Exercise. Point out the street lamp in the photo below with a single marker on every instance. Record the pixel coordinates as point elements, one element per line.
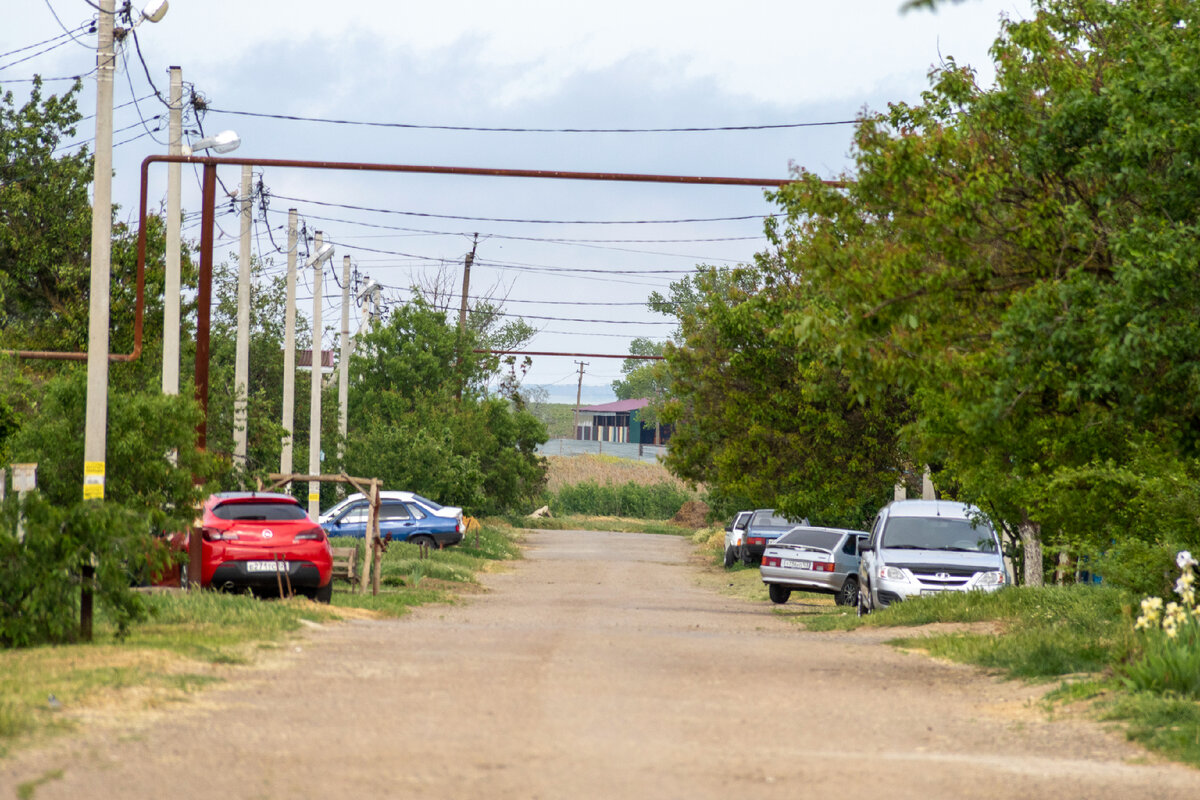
<point>223,142</point>
<point>323,253</point>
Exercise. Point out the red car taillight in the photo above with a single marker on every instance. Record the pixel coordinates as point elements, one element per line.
<point>314,535</point>
<point>770,561</point>
<point>821,566</point>
<point>215,535</point>
<point>757,540</point>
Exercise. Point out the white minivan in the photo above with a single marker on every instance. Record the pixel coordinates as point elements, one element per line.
<point>923,547</point>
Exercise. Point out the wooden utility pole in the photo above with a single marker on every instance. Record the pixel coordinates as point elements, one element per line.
<point>578,396</point>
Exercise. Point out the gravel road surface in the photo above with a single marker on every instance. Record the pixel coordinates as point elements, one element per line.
<point>600,667</point>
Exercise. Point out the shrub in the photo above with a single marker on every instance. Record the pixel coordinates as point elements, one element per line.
<point>1145,568</point>
<point>1170,661</point>
<point>40,575</point>
<point>656,501</point>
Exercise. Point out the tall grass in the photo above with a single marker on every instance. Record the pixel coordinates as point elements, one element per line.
<point>570,470</point>
<point>655,501</point>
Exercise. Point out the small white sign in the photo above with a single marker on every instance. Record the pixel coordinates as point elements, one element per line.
<point>24,477</point>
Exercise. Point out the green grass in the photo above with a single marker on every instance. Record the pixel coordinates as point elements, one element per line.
<point>1080,635</point>
<point>1168,725</point>
<point>173,654</point>
<point>1045,632</point>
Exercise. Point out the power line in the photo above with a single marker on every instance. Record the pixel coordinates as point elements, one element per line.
<point>32,56</point>
<point>525,221</point>
<point>508,237</point>
<point>66,33</point>
<point>474,129</point>
<point>90,24</point>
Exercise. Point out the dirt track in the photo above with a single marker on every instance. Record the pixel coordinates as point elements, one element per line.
<point>599,668</point>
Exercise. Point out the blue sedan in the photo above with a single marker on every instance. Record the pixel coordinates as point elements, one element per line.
<point>405,521</point>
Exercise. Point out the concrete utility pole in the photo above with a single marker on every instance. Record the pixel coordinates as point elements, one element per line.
<point>171,288</point>
<point>289,351</point>
<point>578,396</point>
<point>241,361</point>
<point>462,309</point>
<point>314,414</point>
<point>344,365</point>
<point>95,436</point>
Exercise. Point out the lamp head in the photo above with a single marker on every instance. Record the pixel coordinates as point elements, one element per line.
<point>154,11</point>
<point>368,290</point>
<point>223,142</point>
<point>324,254</point>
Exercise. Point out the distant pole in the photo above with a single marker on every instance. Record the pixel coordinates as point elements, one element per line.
<point>171,288</point>
<point>241,361</point>
<point>314,414</point>
<point>344,365</point>
<point>95,438</point>
<point>462,311</point>
<point>289,351</point>
<point>578,396</point>
<point>467,262</point>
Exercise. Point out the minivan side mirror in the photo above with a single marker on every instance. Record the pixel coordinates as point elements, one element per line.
<point>863,546</point>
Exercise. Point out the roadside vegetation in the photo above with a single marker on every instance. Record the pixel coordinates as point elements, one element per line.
<point>611,487</point>
<point>1085,637</point>
<point>191,640</point>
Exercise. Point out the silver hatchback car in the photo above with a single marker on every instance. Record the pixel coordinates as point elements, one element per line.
<point>812,559</point>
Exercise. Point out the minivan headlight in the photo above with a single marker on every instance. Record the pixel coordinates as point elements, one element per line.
<point>990,579</point>
<point>892,574</point>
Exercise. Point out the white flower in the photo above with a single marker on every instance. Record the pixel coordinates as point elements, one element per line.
<point>1184,559</point>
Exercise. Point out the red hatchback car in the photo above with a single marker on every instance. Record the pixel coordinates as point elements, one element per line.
<point>256,541</point>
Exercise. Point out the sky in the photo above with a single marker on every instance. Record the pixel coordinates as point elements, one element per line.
<point>577,260</point>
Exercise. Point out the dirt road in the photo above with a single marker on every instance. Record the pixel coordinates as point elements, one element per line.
<point>600,668</point>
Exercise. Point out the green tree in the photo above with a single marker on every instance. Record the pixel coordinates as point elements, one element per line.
<point>1020,262</point>
<point>759,415</point>
<point>45,223</point>
<point>420,419</point>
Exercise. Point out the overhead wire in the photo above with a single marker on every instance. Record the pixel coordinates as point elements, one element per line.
<point>479,129</point>
<point>32,56</point>
<point>65,34</point>
<point>378,210</point>
<point>89,23</point>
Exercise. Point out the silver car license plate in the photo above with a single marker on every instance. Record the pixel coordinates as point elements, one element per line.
<point>794,564</point>
<point>266,566</point>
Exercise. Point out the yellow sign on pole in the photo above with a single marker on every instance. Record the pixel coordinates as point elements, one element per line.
<point>93,480</point>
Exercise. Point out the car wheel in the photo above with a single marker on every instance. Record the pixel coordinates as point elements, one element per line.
<point>848,595</point>
<point>779,594</point>
<point>730,556</point>
<point>744,556</point>
<point>864,597</point>
<point>324,594</point>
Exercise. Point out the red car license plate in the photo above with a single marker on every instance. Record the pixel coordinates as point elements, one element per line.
<point>266,566</point>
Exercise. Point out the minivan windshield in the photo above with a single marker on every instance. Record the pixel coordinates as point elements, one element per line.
<point>938,533</point>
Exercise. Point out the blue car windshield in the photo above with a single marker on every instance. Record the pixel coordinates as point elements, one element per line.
<point>938,533</point>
